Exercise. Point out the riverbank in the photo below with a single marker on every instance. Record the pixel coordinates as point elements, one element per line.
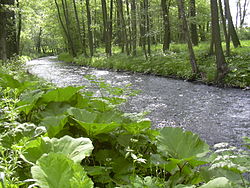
<point>48,133</point>
<point>175,64</point>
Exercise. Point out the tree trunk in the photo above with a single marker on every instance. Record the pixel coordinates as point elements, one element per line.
<point>122,25</point>
<point>226,34</point>
<point>220,58</point>
<point>193,26</point>
<point>231,28</point>
<point>188,37</point>
<point>129,26</point>
<point>38,45</point>
<point>90,34</point>
<point>19,28</point>
<point>165,5</point>
<point>244,13</point>
<point>110,29</point>
<point>3,35</point>
<point>146,4</point>
<point>142,28</point>
<point>82,38</point>
<point>134,27</point>
<point>105,27</point>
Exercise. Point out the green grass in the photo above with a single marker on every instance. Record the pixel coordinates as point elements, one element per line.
<point>175,63</point>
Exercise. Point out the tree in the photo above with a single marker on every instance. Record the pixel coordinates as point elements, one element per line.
<point>134,27</point>
<point>193,26</point>
<point>187,36</point>
<point>165,5</point>
<point>82,38</point>
<point>90,34</point>
<point>220,58</point>
<point>231,28</point>
<point>8,42</point>
<point>241,12</point>
<point>224,25</point>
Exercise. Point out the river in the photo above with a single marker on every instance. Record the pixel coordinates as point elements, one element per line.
<point>216,114</point>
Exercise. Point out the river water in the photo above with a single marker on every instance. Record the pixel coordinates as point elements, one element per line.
<point>216,114</point>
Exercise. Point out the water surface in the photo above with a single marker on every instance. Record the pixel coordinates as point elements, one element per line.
<point>216,114</point>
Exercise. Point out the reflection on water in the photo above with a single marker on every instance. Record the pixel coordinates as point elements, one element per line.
<point>216,114</point>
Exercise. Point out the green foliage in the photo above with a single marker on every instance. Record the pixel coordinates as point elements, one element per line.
<point>56,170</point>
<point>69,137</point>
<point>75,149</point>
<point>66,57</point>
<point>172,141</point>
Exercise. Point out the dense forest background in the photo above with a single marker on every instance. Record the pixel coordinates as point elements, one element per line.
<point>90,28</point>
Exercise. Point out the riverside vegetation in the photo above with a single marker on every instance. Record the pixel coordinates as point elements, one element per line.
<point>174,63</point>
<point>70,137</point>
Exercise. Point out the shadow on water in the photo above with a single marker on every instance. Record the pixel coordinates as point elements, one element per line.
<point>216,114</point>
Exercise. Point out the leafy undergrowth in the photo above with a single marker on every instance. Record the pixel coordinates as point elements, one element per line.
<point>69,137</point>
<point>175,63</point>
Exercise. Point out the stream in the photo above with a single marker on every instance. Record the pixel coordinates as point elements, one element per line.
<point>216,114</point>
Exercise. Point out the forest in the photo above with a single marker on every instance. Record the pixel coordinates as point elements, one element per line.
<point>73,136</point>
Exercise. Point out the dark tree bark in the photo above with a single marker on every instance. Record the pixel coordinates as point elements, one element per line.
<point>90,34</point>
<point>65,26</point>
<point>188,37</point>
<point>19,28</point>
<point>3,34</point>
<point>39,40</point>
<point>129,26</point>
<point>220,58</point>
<point>224,25</point>
<point>134,28</point>
<point>142,28</point>
<point>123,29</point>
<point>181,34</point>
<point>165,5</point>
<point>241,12</point>
<point>81,37</point>
<point>110,24</point>
<point>146,5</point>
<point>193,25</point>
<point>105,27</point>
<point>231,29</point>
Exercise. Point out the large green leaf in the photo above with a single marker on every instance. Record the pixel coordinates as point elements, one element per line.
<point>176,143</point>
<point>54,124</point>
<point>220,182</point>
<point>60,94</point>
<point>7,80</point>
<point>56,170</point>
<point>138,127</point>
<point>95,123</point>
<point>74,148</point>
<point>28,101</point>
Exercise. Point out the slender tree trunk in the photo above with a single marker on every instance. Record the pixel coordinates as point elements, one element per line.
<point>67,23</point>
<point>244,13</point>
<point>134,27</point>
<point>122,25</point>
<point>224,25</point>
<point>146,4</point>
<point>110,29</point>
<point>193,26</point>
<point>220,58</point>
<point>231,28</point>
<point>38,45</point>
<point>3,35</point>
<point>105,26</point>
<point>82,38</point>
<point>90,34</point>
<point>188,37</point>
<point>142,28</point>
<point>165,5</point>
<point>129,26</point>
<point>19,28</point>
